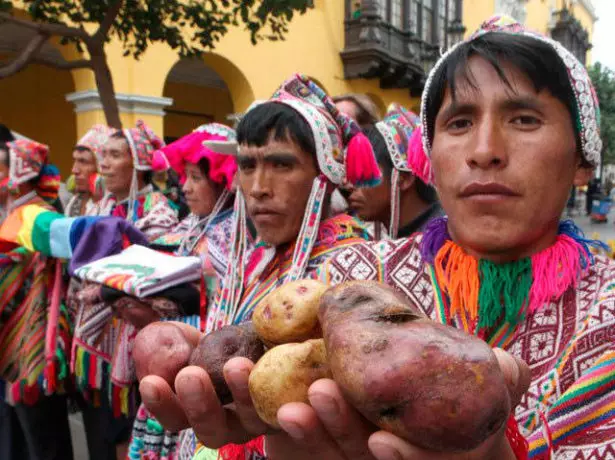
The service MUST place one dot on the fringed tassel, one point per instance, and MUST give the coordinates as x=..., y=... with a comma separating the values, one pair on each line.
x=434, y=237
x=457, y=275
x=569, y=228
x=239, y=452
x=418, y=161
x=504, y=292
x=556, y=269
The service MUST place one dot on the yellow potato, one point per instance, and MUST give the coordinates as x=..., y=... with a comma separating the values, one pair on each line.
x=284, y=374
x=289, y=314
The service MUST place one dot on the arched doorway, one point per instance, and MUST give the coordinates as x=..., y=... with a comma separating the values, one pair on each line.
x=33, y=101
x=199, y=96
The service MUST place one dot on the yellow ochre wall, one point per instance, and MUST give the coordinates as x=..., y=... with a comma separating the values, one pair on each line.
x=312, y=46
x=212, y=102
x=33, y=104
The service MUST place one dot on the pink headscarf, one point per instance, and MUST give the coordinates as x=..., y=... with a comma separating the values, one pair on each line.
x=190, y=149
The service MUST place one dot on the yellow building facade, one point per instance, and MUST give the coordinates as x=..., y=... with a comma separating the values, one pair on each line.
x=174, y=96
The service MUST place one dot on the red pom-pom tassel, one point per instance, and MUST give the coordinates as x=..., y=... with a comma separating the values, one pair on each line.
x=361, y=167
x=418, y=161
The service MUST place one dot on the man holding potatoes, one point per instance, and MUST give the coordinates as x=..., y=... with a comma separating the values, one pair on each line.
x=510, y=122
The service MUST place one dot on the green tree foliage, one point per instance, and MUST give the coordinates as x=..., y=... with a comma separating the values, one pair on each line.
x=604, y=82
x=191, y=27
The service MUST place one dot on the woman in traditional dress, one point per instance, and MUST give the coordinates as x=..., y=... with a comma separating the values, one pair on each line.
x=34, y=326
x=207, y=180
x=101, y=359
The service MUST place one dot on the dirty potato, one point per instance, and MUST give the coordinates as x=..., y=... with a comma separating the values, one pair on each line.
x=436, y=386
x=289, y=314
x=218, y=347
x=284, y=374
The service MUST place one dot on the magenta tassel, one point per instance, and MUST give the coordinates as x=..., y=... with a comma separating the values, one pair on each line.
x=361, y=167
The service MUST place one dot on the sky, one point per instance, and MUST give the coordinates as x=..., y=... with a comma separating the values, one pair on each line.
x=604, y=33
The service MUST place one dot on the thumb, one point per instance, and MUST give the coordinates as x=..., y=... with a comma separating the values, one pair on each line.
x=516, y=373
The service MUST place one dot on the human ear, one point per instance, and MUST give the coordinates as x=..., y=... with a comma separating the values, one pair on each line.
x=582, y=175
x=406, y=181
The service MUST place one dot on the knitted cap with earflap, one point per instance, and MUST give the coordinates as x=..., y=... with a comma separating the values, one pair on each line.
x=397, y=129
x=344, y=155
x=587, y=123
x=144, y=147
x=29, y=160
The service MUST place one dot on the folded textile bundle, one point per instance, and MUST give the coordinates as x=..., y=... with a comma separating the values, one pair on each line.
x=140, y=271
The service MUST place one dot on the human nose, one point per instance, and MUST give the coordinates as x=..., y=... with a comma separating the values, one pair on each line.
x=488, y=149
x=261, y=184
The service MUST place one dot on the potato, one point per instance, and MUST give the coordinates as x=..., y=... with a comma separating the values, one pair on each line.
x=284, y=374
x=434, y=385
x=218, y=347
x=290, y=313
x=161, y=349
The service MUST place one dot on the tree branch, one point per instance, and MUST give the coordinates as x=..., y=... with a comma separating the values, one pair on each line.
x=108, y=21
x=63, y=65
x=49, y=29
x=26, y=56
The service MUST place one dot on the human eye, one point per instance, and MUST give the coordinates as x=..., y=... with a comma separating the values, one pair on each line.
x=282, y=164
x=246, y=164
x=459, y=125
x=526, y=120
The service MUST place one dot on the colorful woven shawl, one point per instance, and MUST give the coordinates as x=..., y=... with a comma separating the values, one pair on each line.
x=483, y=293
x=35, y=330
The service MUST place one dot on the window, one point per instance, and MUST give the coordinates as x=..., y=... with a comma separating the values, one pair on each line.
x=397, y=14
x=427, y=21
x=414, y=16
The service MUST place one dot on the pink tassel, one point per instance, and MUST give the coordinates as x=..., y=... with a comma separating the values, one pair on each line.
x=555, y=270
x=159, y=161
x=361, y=166
x=418, y=161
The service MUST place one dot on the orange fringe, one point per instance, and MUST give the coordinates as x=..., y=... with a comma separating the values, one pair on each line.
x=457, y=275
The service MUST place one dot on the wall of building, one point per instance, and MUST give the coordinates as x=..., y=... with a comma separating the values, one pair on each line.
x=213, y=104
x=312, y=47
x=33, y=104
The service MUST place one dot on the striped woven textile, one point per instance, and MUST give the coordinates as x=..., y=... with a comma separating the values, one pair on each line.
x=35, y=331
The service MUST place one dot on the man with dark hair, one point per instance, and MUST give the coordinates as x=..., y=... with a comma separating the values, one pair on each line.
x=403, y=202
x=87, y=156
x=289, y=159
x=510, y=122
x=5, y=134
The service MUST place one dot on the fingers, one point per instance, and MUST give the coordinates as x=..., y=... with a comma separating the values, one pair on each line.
x=202, y=408
x=387, y=446
x=516, y=372
x=192, y=334
x=343, y=423
x=301, y=423
x=237, y=373
x=160, y=400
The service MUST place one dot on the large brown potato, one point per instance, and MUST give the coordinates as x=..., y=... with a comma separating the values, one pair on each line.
x=289, y=314
x=218, y=347
x=284, y=374
x=437, y=387
x=161, y=349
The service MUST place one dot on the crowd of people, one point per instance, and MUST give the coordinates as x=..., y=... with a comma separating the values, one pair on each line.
x=458, y=208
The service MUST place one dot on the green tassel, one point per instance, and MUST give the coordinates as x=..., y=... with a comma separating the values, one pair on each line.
x=62, y=364
x=504, y=291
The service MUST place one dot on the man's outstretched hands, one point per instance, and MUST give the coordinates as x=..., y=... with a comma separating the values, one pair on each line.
x=327, y=428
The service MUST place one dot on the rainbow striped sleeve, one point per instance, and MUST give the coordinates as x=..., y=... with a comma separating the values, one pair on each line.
x=586, y=405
